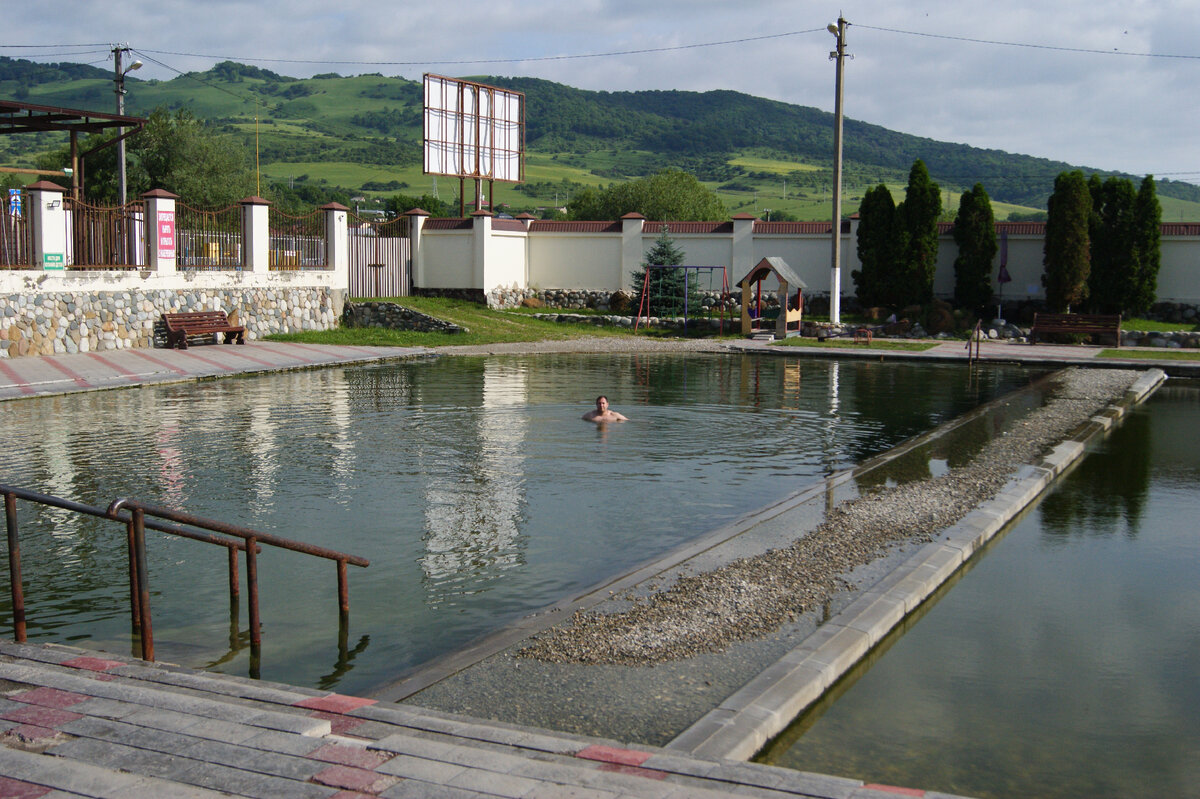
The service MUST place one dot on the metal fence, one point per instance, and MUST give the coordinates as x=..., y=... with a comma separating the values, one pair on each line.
x=209, y=239
x=16, y=247
x=297, y=242
x=380, y=258
x=105, y=237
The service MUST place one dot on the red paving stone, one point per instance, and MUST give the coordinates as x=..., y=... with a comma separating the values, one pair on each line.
x=335, y=703
x=611, y=754
x=31, y=733
x=91, y=664
x=350, y=756
x=49, y=697
x=16, y=789
x=895, y=790
x=354, y=779
x=339, y=724
x=41, y=716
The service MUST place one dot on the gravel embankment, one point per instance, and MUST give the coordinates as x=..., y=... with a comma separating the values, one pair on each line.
x=751, y=597
x=589, y=344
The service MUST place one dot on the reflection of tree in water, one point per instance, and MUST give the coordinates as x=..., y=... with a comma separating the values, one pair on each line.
x=1107, y=492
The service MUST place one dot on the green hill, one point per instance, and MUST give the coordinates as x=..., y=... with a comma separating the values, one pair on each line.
x=362, y=135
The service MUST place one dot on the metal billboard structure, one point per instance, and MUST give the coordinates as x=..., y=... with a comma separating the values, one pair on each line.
x=474, y=131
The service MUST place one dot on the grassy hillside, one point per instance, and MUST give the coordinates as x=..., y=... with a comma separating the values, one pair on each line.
x=362, y=135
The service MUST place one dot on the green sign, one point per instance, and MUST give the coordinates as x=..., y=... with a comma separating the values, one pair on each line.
x=54, y=260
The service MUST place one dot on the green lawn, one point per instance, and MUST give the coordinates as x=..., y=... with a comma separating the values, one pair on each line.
x=1151, y=355
x=847, y=341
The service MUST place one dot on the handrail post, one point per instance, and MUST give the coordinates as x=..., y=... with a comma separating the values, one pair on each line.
x=135, y=605
x=252, y=590
x=343, y=587
x=234, y=587
x=14, y=568
x=139, y=535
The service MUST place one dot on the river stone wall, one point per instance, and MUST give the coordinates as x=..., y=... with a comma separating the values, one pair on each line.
x=66, y=322
x=394, y=317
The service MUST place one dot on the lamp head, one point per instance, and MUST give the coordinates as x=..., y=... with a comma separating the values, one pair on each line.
x=133, y=66
x=832, y=28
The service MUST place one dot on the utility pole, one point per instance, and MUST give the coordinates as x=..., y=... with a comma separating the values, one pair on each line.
x=835, y=278
x=119, y=87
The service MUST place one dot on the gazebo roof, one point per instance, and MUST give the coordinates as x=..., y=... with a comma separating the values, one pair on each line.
x=26, y=118
x=774, y=263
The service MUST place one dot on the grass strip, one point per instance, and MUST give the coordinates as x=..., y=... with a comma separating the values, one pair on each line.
x=1151, y=355
x=848, y=343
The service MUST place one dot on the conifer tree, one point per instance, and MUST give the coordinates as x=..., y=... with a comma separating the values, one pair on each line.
x=1114, y=257
x=877, y=248
x=975, y=235
x=665, y=288
x=1147, y=234
x=1067, y=257
x=918, y=215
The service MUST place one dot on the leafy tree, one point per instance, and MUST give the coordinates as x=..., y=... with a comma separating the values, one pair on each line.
x=665, y=290
x=1114, y=266
x=975, y=235
x=1067, y=257
x=918, y=215
x=1147, y=234
x=877, y=240
x=400, y=204
x=668, y=195
x=176, y=152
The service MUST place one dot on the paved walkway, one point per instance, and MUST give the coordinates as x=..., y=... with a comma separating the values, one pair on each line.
x=78, y=725
x=64, y=374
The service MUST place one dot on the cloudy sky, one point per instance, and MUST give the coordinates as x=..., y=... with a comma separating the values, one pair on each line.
x=1109, y=84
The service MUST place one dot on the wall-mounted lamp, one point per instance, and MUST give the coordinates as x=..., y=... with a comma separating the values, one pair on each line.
x=50, y=206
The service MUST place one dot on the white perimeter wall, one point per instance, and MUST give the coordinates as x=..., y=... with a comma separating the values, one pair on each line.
x=585, y=261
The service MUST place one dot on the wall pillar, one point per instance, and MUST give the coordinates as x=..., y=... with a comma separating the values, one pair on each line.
x=162, y=232
x=632, y=254
x=337, y=244
x=481, y=229
x=48, y=218
x=257, y=235
x=416, y=228
x=742, y=258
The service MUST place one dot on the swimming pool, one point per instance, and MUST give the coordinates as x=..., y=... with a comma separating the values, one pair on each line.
x=470, y=483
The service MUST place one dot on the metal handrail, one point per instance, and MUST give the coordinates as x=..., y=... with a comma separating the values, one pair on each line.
x=973, y=354
x=133, y=514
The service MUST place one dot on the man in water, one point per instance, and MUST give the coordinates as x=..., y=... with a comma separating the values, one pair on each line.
x=603, y=413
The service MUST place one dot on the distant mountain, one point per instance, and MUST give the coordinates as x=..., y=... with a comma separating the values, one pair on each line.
x=717, y=135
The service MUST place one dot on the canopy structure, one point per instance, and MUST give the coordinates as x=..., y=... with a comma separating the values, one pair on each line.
x=754, y=317
x=27, y=118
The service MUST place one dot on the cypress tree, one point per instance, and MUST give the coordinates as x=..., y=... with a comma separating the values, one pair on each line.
x=876, y=248
x=918, y=215
x=1114, y=257
x=1066, y=255
x=975, y=235
x=1147, y=234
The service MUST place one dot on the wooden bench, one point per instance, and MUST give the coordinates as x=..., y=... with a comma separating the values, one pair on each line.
x=1092, y=324
x=182, y=326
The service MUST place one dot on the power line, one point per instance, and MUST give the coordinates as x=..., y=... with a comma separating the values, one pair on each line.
x=972, y=40
x=451, y=62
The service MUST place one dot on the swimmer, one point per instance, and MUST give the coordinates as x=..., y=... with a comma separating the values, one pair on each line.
x=603, y=413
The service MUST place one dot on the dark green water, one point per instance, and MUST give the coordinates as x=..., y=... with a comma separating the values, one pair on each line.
x=1065, y=661
x=471, y=484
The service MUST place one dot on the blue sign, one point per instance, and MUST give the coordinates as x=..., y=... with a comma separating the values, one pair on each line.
x=14, y=202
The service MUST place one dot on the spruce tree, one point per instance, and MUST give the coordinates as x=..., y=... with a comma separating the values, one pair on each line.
x=1067, y=257
x=975, y=235
x=665, y=288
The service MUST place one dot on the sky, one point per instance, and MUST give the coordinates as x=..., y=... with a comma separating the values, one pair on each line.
x=1104, y=84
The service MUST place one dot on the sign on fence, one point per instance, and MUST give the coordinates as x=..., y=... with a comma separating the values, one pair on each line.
x=166, y=234
x=14, y=202
x=54, y=261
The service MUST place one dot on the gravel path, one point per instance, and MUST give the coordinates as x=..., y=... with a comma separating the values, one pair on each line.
x=752, y=597
x=590, y=344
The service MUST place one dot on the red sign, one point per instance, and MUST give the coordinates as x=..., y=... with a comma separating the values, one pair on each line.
x=166, y=234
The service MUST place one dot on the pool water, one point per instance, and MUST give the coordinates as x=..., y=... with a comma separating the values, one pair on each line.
x=471, y=484
x=1065, y=660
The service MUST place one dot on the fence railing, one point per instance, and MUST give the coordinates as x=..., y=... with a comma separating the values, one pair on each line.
x=16, y=246
x=209, y=239
x=137, y=518
x=99, y=236
x=297, y=242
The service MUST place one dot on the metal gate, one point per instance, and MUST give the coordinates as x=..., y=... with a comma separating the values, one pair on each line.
x=380, y=258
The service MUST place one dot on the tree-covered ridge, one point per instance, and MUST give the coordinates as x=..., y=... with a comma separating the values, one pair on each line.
x=373, y=119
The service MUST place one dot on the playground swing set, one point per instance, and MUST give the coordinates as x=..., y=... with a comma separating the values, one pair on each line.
x=665, y=298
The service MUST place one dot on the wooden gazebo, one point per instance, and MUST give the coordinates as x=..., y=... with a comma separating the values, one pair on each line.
x=791, y=302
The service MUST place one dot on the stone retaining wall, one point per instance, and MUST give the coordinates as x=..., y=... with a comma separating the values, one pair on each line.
x=66, y=322
x=393, y=317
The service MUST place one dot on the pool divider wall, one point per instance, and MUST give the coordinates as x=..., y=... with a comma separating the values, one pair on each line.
x=748, y=719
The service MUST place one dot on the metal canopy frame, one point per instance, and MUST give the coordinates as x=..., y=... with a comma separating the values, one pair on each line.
x=29, y=118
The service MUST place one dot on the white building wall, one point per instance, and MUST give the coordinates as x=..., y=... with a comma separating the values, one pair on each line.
x=586, y=261
x=447, y=260
x=1179, y=273
x=506, y=261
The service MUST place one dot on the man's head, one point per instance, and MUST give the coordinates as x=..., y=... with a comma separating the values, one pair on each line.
x=601, y=403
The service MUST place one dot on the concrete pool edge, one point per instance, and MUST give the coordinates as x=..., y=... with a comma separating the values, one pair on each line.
x=751, y=717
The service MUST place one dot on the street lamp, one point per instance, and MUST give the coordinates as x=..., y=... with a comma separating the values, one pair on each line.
x=119, y=81
x=835, y=278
